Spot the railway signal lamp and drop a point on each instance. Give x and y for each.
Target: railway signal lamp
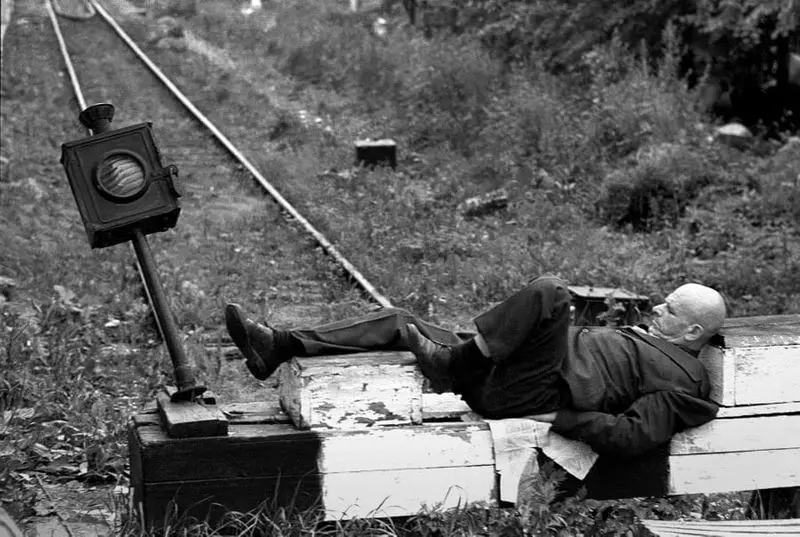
(124, 193)
(118, 181)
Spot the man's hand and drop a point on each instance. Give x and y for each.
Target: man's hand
(548, 417)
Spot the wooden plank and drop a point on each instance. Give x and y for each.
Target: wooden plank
(758, 410)
(341, 495)
(753, 375)
(254, 412)
(405, 492)
(149, 418)
(688, 533)
(742, 434)
(749, 524)
(760, 331)
(266, 450)
(724, 528)
(721, 375)
(718, 532)
(399, 448)
(727, 472)
(766, 374)
(352, 391)
(210, 500)
(188, 419)
(135, 463)
(270, 450)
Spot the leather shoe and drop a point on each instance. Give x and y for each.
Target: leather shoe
(434, 359)
(255, 341)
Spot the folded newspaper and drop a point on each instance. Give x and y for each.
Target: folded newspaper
(515, 442)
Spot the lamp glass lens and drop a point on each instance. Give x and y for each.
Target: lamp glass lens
(121, 176)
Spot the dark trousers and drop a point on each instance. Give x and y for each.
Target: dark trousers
(526, 335)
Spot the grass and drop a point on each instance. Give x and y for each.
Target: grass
(612, 181)
(626, 152)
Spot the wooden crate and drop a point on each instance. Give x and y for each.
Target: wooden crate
(749, 448)
(352, 391)
(744, 448)
(264, 460)
(757, 361)
(397, 469)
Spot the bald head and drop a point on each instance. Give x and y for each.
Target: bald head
(689, 316)
(702, 305)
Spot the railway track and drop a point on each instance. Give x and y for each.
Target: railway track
(231, 243)
(347, 267)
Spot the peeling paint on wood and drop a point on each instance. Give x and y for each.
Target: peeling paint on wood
(753, 375)
(759, 362)
(739, 434)
(762, 330)
(352, 391)
(727, 472)
(389, 470)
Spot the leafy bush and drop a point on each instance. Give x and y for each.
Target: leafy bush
(656, 189)
(447, 88)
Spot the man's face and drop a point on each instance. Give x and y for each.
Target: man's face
(670, 320)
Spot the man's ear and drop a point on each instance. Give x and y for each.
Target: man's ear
(694, 332)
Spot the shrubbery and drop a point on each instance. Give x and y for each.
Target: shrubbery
(616, 138)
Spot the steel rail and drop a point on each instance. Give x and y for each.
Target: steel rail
(329, 248)
(73, 77)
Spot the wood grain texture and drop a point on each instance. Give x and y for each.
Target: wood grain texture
(187, 419)
(759, 331)
(254, 412)
(739, 434)
(766, 374)
(352, 391)
(727, 472)
(753, 375)
(267, 450)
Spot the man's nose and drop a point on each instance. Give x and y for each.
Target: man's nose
(658, 309)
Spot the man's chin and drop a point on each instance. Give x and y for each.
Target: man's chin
(653, 331)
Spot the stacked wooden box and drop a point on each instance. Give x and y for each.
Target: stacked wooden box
(351, 439)
(356, 436)
(755, 441)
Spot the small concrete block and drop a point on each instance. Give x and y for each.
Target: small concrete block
(373, 153)
(352, 391)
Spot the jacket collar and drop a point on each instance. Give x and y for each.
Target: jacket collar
(683, 358)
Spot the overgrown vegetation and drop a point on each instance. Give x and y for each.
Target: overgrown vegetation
(612, 179)
(625, 151)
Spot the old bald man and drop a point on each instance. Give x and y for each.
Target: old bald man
(623, 391)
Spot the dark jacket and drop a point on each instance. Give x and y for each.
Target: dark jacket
(630, 391)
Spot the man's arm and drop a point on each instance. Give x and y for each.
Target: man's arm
(648, 423)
